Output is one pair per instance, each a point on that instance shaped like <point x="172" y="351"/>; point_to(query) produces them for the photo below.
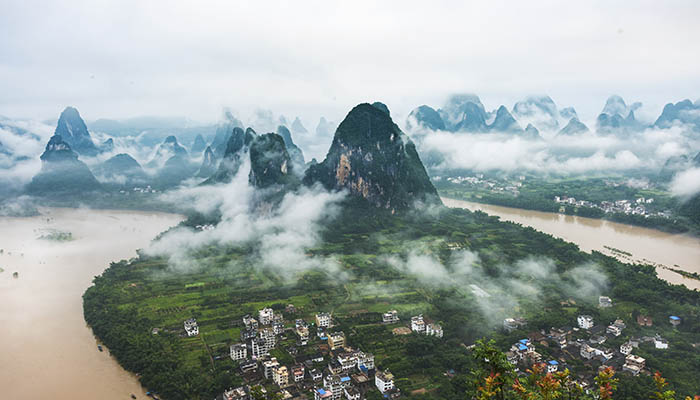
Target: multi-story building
<point x="280" y="376"/>
<point x="269" y="366"/>
<point x="433" y="330"/>
<point x="322" y="394"/>
<point x="191" y="327"/>
<point x="616" y="327"/>
<point x="626" y="348"/>
<point x="239" y="393"/>
<point x="585" y="321"/>
<point x="365" y="361"/>
<point x="552" y="366"/>
<point x="333" y="384"/>
<point x="351" y="393"/>
<point x="417" y="324"/>
<point x="248" y="366"/>
<point x="266" y="315"/>
<point x="323" y="320"/>
<point x="390" y="317"/>
<point x="239" y="351"/>
<point x="302" y="330"/>
<point x="250" y="322"/>
<point x="384" y="381"/>
<point x="348" y="360"/>
<point x="634" y="364"/>
<point x="604" y="302"/>
<point x="298" y="373"/>
<point x="336" y="340"/>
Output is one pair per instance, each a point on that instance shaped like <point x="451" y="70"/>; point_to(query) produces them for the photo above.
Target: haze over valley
<point x="366" y="201"/>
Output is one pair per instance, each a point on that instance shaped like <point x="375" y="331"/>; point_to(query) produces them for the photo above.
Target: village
<point x="588" y="344"/>
<point x="633" y="207"/>
<point x="324" y="366"/>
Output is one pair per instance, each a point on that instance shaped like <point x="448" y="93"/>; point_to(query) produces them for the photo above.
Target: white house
<point x="552" y="366"/>
<point x="585" y="321"/>
<point x="626" y="348"/>
<point x="604" y="302"/>
<point x="417" y="324"/>
<point x="323" y="320"/>
<point x="239" y="351"/>
<point x="266" y="315"/>
<point x="269" y="366"/>
<point x="660" y="343"/>
<point x="191" y="327"/>
<point x="280" y="376"/>
<point x="384" y="381"/>
<point x="434" y="330"/>
<point x="390" y="317"/>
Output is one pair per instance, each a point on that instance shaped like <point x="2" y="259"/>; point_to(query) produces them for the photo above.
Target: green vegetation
<point x="132" y="297"/>
<point x="57" y="236"/>
<point x="539" y="193"/>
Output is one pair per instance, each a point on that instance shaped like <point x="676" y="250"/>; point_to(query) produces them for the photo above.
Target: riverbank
<point x="665" y="251"/>
<point x="47" y="349"/>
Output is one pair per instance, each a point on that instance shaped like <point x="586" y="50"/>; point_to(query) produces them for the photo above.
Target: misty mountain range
<point x="130" y="156"/>
<point x="466" y="113"/>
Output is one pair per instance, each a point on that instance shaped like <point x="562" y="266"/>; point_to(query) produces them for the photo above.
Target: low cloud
<point x="500" y="296"/>
<point x="687" y="183"/>
<point x="556" y="155"/>
<point x="281" y="237"/>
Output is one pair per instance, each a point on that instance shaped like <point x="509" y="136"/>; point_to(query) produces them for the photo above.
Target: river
<point x="46" y="348"/>
<point x="645" y="245"/>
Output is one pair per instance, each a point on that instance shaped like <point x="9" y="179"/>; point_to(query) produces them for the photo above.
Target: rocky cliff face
<point x="270" y="163"/>
<point x="73" y="130"/>
<point x="209" y="164"/>
<point x="295" y="153"/>
<point x="236" y="149"/>
<point x="61" y="171"/>
<point x="372" y="159"/>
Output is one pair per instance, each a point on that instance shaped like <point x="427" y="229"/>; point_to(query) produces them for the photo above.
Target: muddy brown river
<point x="46" y="348"/>
<point x="648" y="246"/>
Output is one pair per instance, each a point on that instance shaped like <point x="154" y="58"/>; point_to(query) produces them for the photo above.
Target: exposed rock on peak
<point x="73" y="130"/>
<point x="372" y="159"/>
<point x="209" y="163"/>
<point x="294" y="151"/>
<point x="270" y="163"/>
<point x="236" y="148"/>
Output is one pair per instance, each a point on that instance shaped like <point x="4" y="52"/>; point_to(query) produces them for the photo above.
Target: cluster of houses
<point x="585" y="342"/>
<point x="490" y="184"/>
<point x="634" y="207"/>
<point x="138" y="189"/>
<point x="418" y="325"/>
<point x="332" y="371"/>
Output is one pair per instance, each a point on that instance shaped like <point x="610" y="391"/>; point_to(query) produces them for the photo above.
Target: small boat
<point x="99" y="347"/>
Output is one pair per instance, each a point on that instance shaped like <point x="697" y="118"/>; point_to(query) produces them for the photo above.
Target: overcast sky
<point x="174" y="58"/>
